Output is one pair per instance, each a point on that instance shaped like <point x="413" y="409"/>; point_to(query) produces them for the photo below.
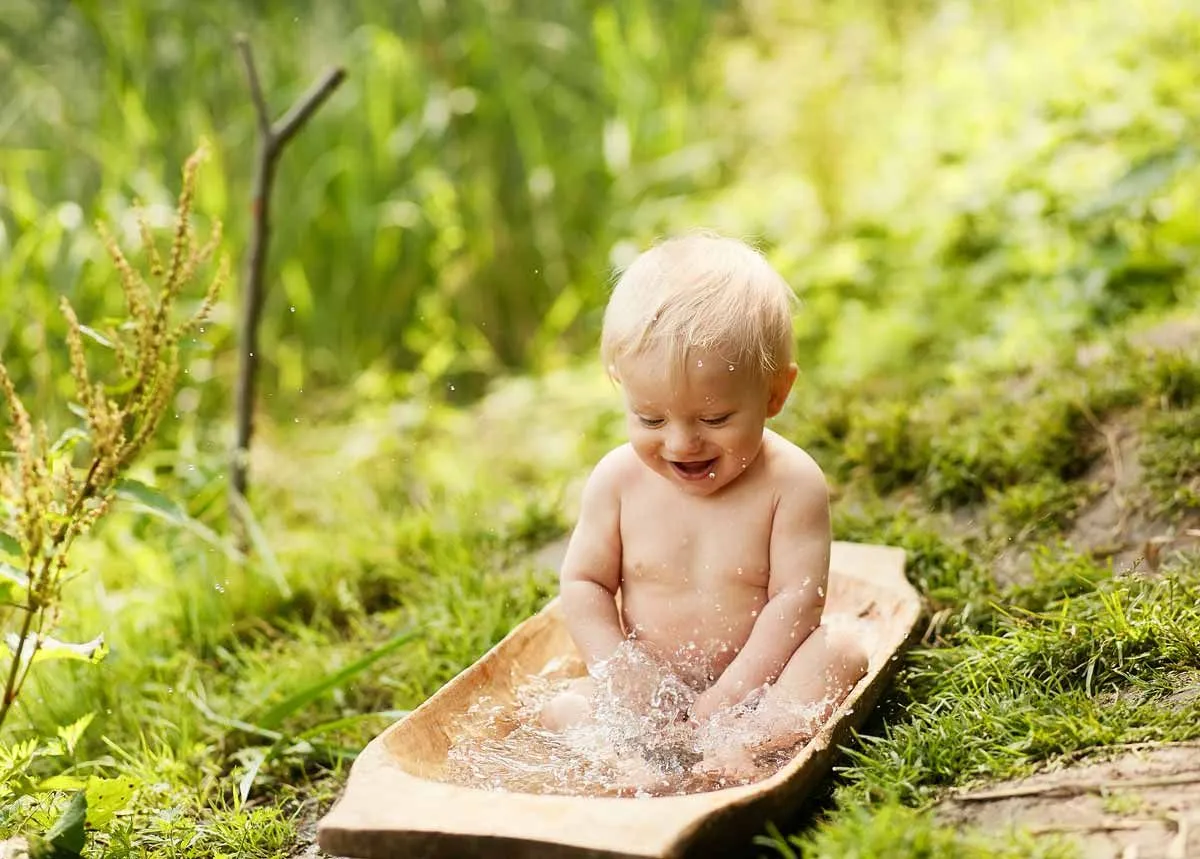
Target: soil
<point x="1142" y="803"/>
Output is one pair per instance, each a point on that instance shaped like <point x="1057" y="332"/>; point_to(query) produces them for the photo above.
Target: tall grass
<point x="452" y="209"/>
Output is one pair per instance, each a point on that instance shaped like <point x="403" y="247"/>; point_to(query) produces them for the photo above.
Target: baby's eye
<point x="650" y="423"/>
<point x="716" y="422"/>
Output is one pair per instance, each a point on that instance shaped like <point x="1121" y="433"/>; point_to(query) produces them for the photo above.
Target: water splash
<point x="641" y="740"/>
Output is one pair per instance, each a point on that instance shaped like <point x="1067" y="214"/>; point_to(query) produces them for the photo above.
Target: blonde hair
<point x="701" y="291"/>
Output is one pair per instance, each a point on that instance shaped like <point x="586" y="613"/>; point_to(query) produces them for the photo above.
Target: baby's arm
<point x="799" y="559"/>
<point x="591" y="571"/>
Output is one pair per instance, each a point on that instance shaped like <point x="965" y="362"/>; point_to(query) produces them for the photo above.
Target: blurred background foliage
<point x="451" y="211"/>
<point x="940" y="181"/>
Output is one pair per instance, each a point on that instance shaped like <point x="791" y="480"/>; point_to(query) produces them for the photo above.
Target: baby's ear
<point x="781" y="386"/>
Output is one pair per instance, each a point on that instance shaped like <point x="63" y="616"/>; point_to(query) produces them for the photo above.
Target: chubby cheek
<point x="739" y="444"/>
<point x="644" y="442"/>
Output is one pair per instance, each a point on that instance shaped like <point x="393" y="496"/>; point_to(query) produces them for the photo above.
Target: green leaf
<point x="71" y="733"/>
<point x="1143" y="180"/>
<point x="66" y="838"/>
<point x="106" y="797"/>
<point x="93" y="334"/>
<point x="122" y="387"/>
<point x="274" y="717"/>
<point x="10" y="546"/>
<point x="62" y="782"/>
<point x="52" y="649"/>
<point x="13" y="583"/>
<point x="68" y="440"/>
<point x="148" y="500"/>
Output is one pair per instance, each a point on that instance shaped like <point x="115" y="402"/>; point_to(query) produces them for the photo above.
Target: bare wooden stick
<point x="1098" y="826"/>
<point x="272" y="138"/>
<point x="1076" y="788"/>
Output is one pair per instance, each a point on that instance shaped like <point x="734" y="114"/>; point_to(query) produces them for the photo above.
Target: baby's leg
<point x="572" y="706"/>
<point x="814" y="682"/>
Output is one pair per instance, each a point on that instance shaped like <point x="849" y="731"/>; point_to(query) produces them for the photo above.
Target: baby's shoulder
<point x="614" y="470"/>
<point x="791" y="469"/>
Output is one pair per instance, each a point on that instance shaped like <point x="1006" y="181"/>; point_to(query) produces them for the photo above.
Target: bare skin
<point x="715" y="533"/>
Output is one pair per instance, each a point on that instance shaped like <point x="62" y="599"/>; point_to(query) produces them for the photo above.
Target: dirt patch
<point x="1143" y="803"/>
<point x="1117" y="523"/>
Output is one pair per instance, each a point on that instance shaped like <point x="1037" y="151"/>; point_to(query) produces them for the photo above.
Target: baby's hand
<point x="633" y="675"/>
<point x="706" y="704"/>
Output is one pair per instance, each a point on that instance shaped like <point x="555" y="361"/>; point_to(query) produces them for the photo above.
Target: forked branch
<point x="273" y="136"/>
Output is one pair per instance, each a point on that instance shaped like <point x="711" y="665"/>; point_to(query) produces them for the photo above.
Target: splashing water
<point x="640" y="741"/>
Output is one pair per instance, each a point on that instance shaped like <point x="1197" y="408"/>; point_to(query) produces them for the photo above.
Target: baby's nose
<point x="682" y="440"/>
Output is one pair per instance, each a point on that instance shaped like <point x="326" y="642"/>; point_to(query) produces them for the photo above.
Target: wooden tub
<point x="393" y="806"/>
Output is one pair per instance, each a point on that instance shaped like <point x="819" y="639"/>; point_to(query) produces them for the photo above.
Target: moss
<point x="1171" y="459"/>
<point x="1037" y="509"/>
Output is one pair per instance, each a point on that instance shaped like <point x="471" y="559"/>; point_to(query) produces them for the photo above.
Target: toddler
<point x="704" y="540"/>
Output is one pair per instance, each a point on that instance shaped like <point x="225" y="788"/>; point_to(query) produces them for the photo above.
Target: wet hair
<point x="700" y="291"/>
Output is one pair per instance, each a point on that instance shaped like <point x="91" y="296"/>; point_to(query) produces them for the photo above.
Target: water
<point x="640" y="742"/>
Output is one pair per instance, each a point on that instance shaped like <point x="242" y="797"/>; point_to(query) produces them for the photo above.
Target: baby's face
<point x="703" y="428"/>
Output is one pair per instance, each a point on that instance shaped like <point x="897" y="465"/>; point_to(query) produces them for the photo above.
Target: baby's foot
<point x="565" y="710"/>
<point x="731" y="762"/>
<point x="634" y="776"/>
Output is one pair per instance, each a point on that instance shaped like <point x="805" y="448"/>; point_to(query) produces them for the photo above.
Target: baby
<point x="705" y="539"/>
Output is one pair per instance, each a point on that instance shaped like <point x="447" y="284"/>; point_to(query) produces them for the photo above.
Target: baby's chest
<point x="692" y="544"/>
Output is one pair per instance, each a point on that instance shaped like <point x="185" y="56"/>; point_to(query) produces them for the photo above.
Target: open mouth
<point x="696" y="470"/>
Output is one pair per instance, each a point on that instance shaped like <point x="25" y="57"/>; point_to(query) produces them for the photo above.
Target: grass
<point x="897" y="832"/>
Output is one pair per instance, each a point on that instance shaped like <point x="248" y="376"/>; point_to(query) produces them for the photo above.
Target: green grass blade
<point x="274" y="717"/>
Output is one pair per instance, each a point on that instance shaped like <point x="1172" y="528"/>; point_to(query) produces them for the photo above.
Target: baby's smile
<point x="697" y="469"/>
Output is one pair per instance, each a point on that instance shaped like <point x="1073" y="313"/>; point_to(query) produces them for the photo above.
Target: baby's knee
<point x="846" y="652"/>
<point x="572" y="706"/>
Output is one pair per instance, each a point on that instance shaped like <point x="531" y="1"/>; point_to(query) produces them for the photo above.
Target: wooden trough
<point x="394" y="806"/>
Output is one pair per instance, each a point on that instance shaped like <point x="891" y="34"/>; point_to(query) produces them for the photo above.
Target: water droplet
<point x="740" y="571"/>
<point x="730" y="368"/>
<point x="754" y="613"/>
<point x="452" y="387"/>
<point x="820" y="591"/>
<point x="712" y="475"/>
<point x="293" y="308"/>
<point x="699" y="363"/>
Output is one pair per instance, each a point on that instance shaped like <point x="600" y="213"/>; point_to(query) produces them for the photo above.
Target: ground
<point x="1143" y="803"/>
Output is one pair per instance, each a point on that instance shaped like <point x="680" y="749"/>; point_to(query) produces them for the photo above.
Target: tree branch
<point x="272" y="139"/>
<point x="256" y="93"/>
<point x="299" y="113"/>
